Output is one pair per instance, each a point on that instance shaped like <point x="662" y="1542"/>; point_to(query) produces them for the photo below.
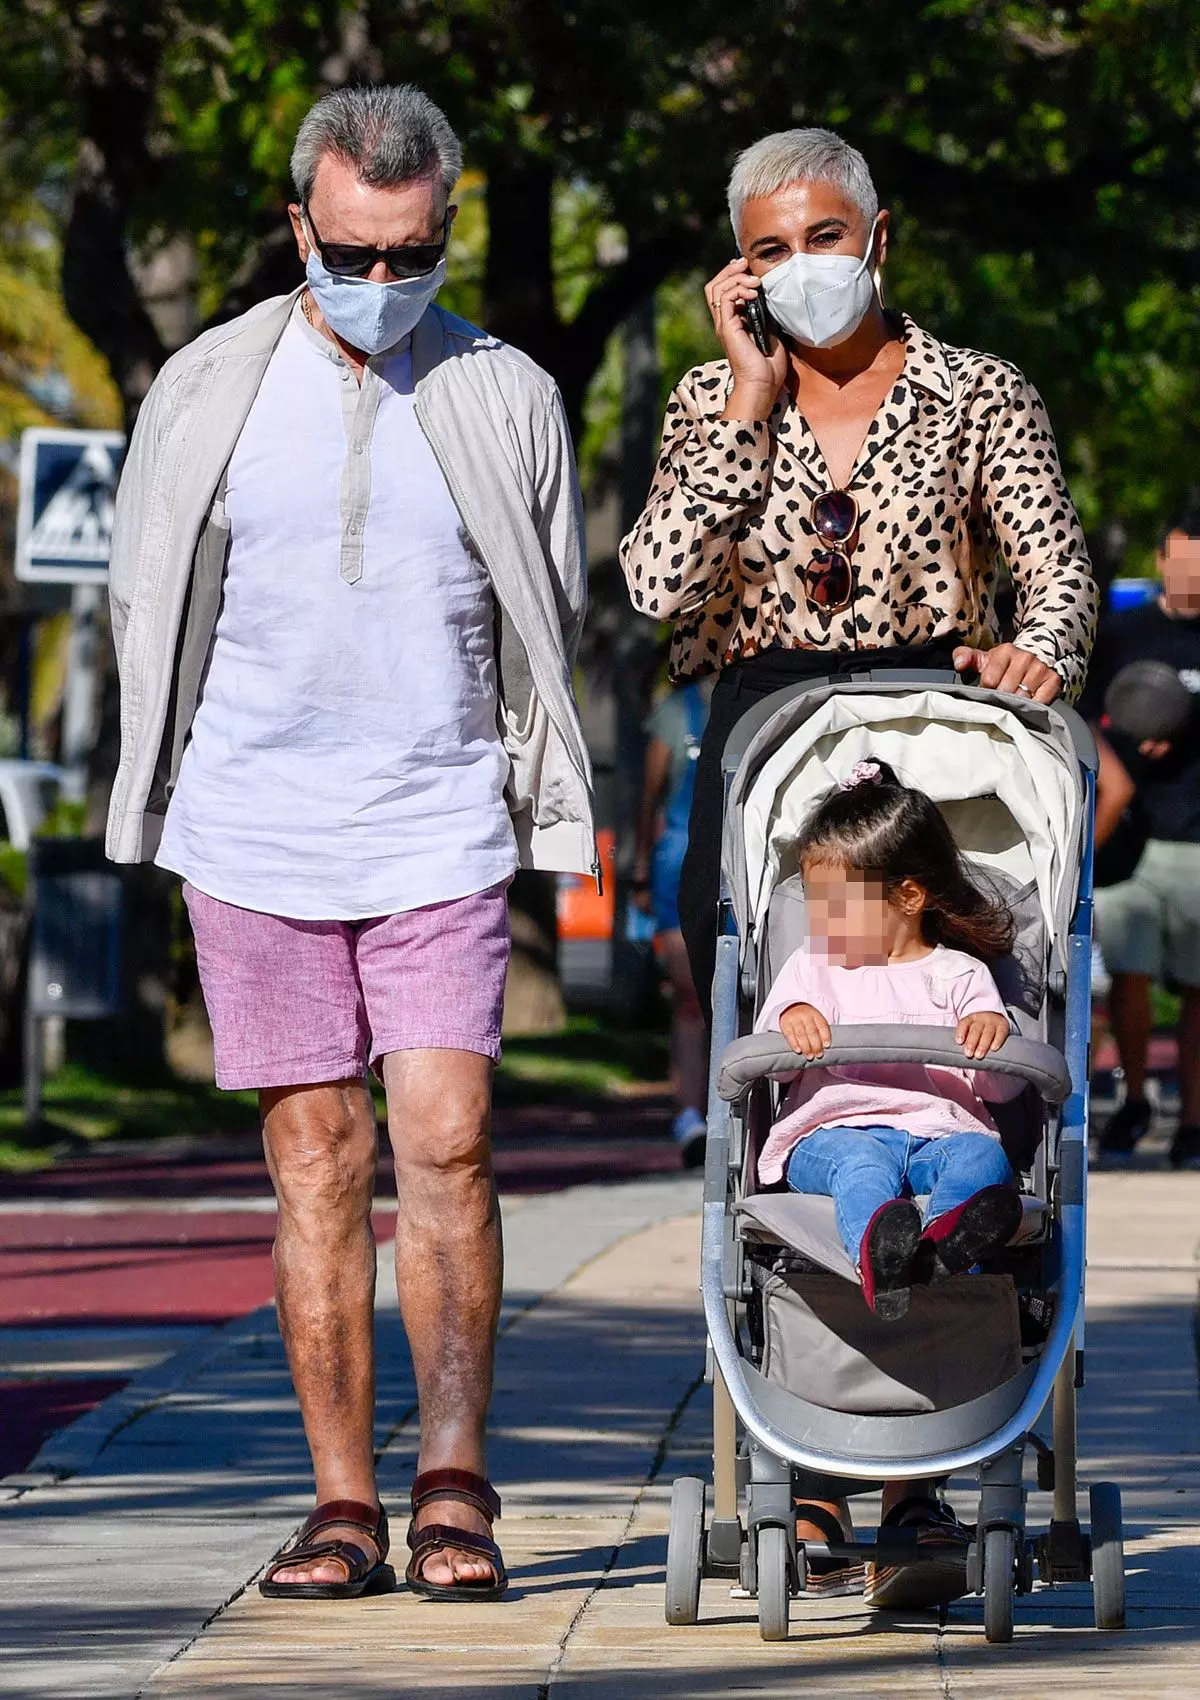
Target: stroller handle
<point x="761" y="1056"/>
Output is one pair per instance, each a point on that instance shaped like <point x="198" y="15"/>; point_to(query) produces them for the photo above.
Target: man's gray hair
<point x="390" y="134"/>
<point x="792" y="156"/>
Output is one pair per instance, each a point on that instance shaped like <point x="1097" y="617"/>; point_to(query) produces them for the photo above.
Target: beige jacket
<point x="496" y="425"/>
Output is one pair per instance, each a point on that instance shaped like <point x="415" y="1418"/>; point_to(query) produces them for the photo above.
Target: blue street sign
<point x="65" y="512"/>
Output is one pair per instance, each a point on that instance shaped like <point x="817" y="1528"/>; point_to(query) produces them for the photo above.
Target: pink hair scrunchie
<point x="862" y="773"/>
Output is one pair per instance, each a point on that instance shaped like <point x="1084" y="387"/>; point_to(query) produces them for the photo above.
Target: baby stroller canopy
<point x="1005" y="771"/>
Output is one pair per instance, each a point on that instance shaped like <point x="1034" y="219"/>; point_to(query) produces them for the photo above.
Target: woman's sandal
<point x="363" y="1575"/>
<point x="926" y="1582"/>
<point x="468" y="1489"/>
<point x="828" y="1576"/>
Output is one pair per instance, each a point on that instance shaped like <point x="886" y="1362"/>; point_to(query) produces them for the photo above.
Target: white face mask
<point x="820" y="299"/>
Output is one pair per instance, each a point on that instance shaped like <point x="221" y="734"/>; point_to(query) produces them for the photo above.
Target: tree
<point x="1041" y="161"/>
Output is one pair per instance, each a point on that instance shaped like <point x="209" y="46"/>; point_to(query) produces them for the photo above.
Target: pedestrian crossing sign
<point x="65" y="512"/>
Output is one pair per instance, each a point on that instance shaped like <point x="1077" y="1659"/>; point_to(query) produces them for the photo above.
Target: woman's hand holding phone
<point x="757" y="377"/>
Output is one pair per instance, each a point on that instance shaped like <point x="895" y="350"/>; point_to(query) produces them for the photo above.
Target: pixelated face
<point x="1179" y="565"/>
<point x="850" y="920"/>
<point x="853" y="920"/>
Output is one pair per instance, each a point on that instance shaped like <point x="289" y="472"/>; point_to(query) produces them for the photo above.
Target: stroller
<point x="805" y="1382"/>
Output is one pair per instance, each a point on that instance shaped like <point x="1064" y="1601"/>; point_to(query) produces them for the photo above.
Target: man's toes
<point x="470" y="1568"/>
<point x="327" y="1571"/>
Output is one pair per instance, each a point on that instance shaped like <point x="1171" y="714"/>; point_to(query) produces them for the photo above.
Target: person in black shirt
<point x="1149" y="924"/>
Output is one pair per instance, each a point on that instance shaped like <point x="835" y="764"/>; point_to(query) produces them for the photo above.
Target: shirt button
<point x="358" y="448"/>
<point x="354" y="531"/>
<point x="345" y="377"/>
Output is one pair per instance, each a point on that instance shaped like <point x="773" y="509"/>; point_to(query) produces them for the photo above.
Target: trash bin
<point x="75" y="930"/>
<point x="75" y="905"/>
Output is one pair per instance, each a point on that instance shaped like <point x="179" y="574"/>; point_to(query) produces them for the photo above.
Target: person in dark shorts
<point x="1148" y="924"/>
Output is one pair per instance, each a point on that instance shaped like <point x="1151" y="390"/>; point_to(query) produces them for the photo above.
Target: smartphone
<point x="759" y="323"/>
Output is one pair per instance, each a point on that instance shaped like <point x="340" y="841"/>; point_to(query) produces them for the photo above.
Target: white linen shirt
<point x="345" y="759"/>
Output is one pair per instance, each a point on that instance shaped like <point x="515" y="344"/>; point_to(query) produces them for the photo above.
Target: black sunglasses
<point x="347" y="259"/>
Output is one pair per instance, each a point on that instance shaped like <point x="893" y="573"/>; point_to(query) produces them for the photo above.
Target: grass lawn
<point x="593" y="1059"/>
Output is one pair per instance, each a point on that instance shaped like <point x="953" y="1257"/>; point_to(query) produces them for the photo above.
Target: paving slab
<point x="203" y="1456"/>
<point x="599" y="1405"/>
<point x="588" y="1383"/>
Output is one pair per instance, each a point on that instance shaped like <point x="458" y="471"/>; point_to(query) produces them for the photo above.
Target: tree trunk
<point x="518" y="279"/>
<point x="636" y="638"/>
<point x="118" y="55"/>
<point x="533" y="1000"/>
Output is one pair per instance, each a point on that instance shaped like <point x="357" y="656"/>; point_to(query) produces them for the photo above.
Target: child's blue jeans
<point x="860" y="1168"/>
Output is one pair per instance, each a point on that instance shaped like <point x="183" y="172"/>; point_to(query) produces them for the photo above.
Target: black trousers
<point x="740" y="688"/>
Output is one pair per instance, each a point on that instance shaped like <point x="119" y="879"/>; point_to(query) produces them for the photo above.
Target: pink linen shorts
<point x="296" y="1003"/>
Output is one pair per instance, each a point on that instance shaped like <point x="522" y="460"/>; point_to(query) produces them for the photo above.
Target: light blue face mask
<point x="371" y="316"/>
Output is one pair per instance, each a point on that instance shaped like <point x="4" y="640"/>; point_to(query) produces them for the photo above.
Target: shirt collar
<point x="323" y="346"/>
<point x="925" y="363"/>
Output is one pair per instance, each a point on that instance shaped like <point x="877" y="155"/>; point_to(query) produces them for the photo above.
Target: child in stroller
<point x="898" y="932"/>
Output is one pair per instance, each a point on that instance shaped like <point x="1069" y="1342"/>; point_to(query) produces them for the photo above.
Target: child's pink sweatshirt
<point x="936" y="990"/>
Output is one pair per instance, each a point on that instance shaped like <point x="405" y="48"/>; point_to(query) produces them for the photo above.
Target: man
<point x="1149" y="925"/>
<point x="347" y="583"/>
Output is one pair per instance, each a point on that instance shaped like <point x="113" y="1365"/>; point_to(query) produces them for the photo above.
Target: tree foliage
<point x="1041" y="162"/>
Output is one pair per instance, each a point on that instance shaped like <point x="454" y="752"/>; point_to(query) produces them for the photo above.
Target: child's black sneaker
<point x="978" y="1228"/>
<point x="885" y="1257"/>
<point x="1123" y="1130"/>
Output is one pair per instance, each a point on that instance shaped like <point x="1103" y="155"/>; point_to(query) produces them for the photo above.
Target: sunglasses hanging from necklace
<point x="829" y="575"/>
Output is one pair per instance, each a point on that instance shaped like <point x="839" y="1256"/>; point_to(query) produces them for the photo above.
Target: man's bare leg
<point x="449" y="1269"/>
<point x="321" y="1143"/>
<point x="1129" y="1016"/>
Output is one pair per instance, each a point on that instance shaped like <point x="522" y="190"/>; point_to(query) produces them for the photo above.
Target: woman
<point x="674" y="733"/>
<point x="845" y="501"/>
<point x="841" y="503"/>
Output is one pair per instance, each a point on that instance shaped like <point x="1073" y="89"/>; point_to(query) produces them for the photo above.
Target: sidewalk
<point x="129" y="1576"/>
<point x="116" y="1258"/>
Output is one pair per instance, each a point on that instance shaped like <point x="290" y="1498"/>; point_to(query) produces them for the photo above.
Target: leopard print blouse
<point x="958" y="474"/>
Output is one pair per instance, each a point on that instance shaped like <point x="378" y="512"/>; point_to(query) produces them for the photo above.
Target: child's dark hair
<point x="876" y="825"/>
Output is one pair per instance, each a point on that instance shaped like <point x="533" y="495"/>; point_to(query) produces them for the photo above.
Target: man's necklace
<point x="306" y="309"/>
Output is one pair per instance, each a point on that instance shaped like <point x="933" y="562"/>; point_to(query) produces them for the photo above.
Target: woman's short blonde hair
<point x="792" y="156"/>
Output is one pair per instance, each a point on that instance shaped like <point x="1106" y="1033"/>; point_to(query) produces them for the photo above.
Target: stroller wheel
<point x="999" y="1551"/>
<point x="774" y="1583"/>
<point x="685" y="1546"/>
<point x="1108" y="1556"/>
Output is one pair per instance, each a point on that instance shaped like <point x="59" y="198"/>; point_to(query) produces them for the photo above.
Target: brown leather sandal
<point x="363" y="1576"/>
<point x="468" y="1489"/>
